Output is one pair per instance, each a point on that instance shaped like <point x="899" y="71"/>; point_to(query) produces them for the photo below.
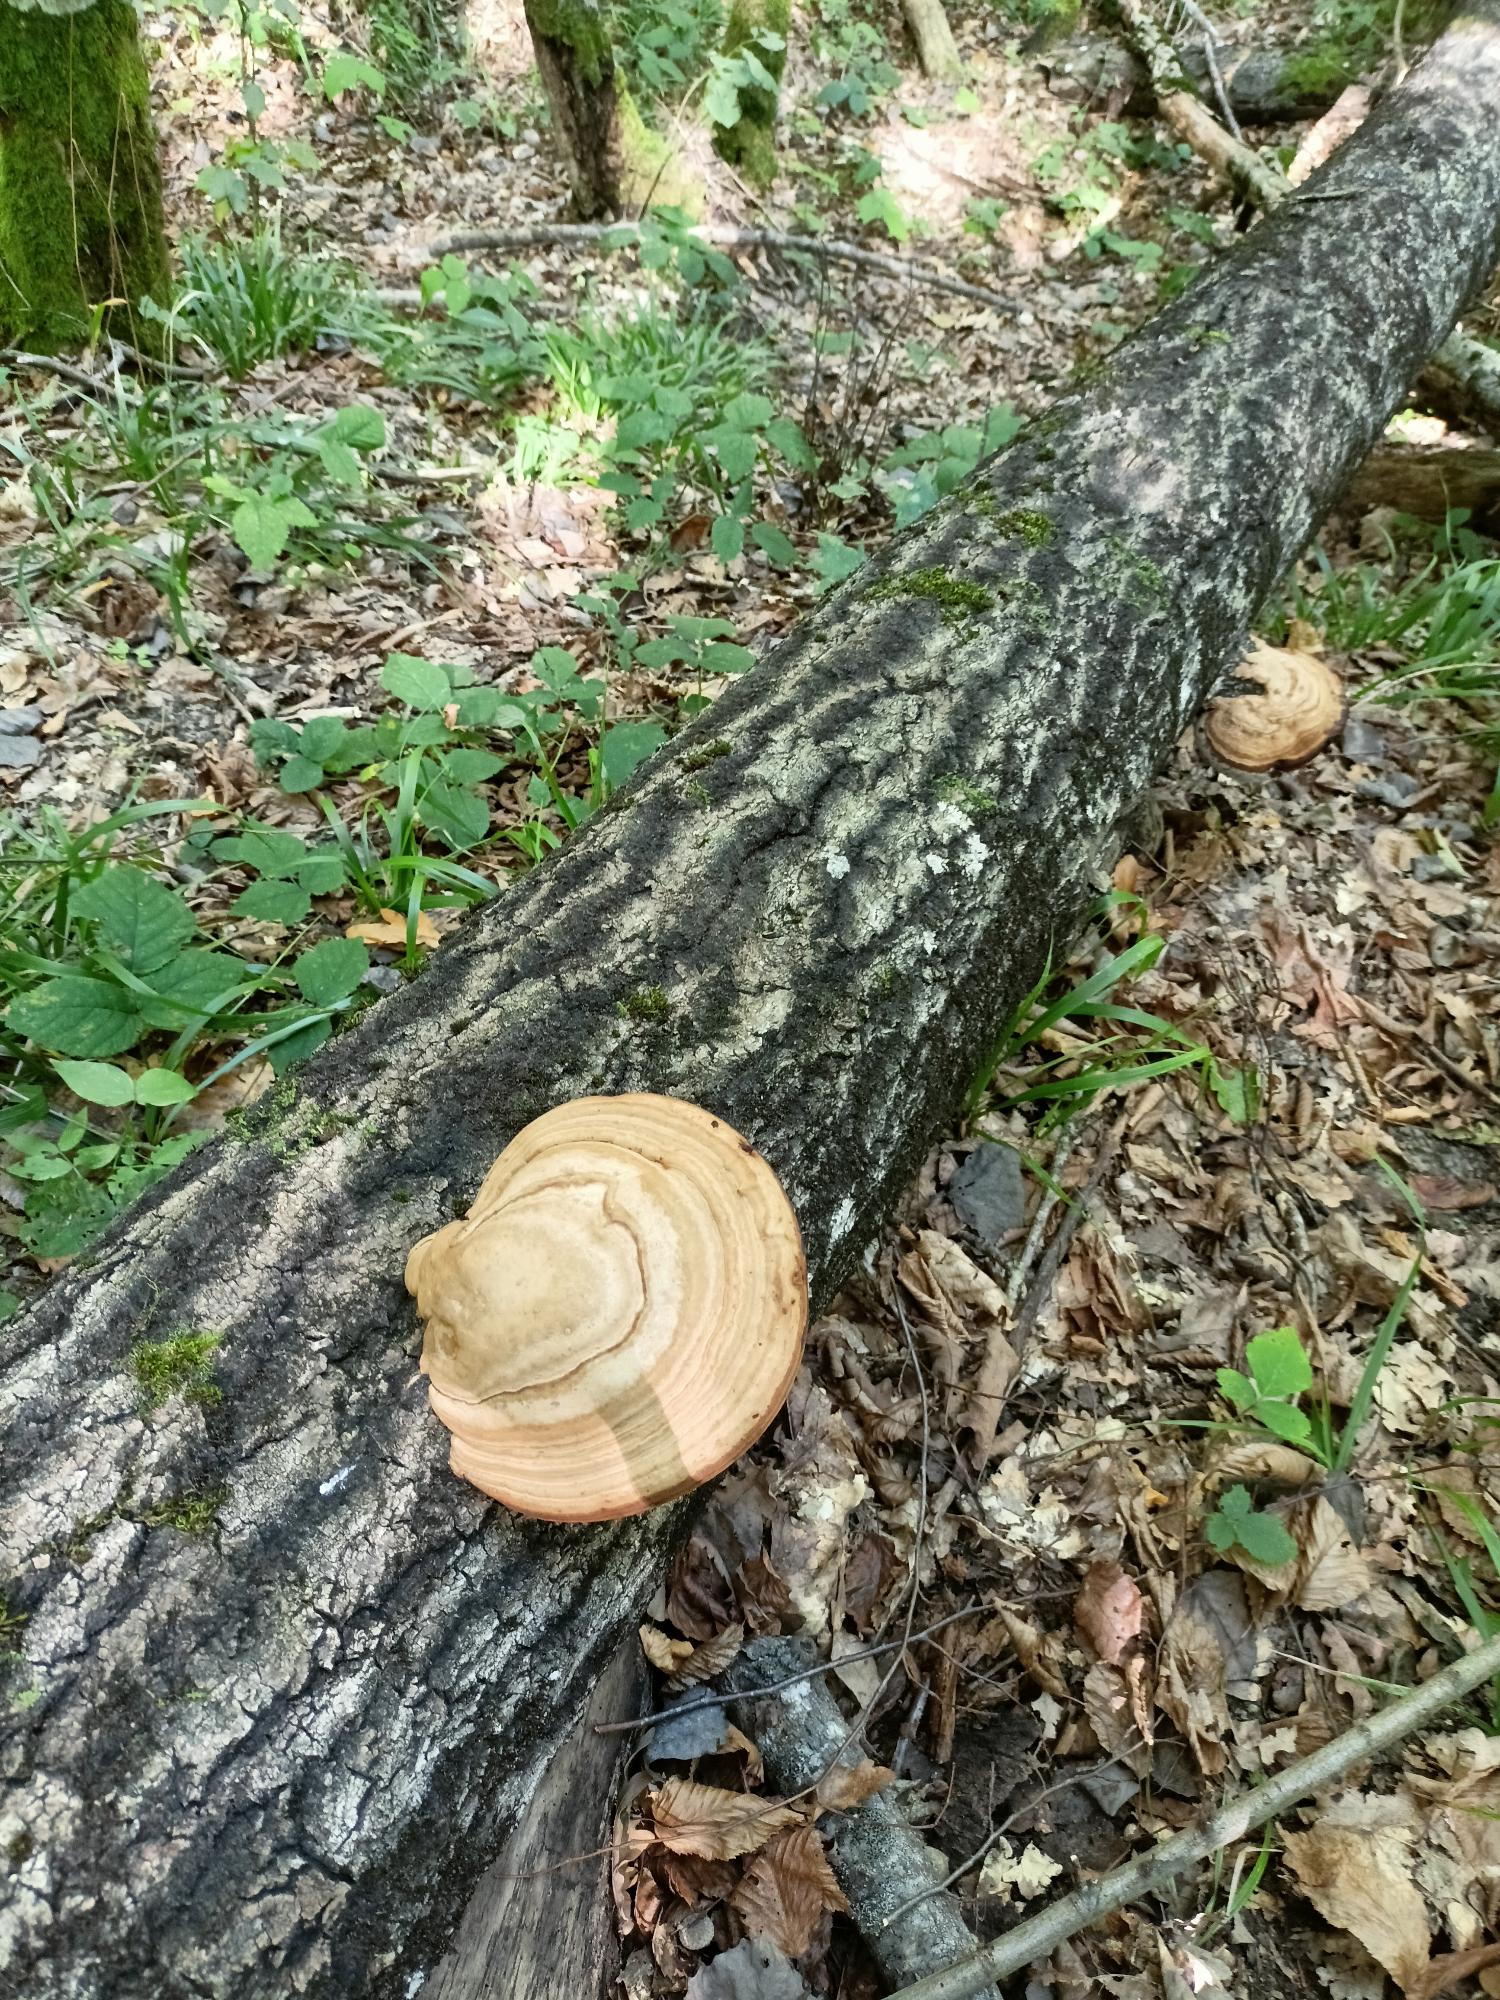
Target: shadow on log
<point x="267" y="1758"/>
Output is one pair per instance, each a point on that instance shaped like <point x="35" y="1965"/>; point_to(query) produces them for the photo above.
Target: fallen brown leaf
<point x="1359" y="1877"/>
<point x="786" y="1889"/>
<point x="666" y="1655"/>
<point x="704" y="1819"/>
<point x="389" y="928"/>
<point x="1331" y="1572"/>
<point x="711" y="1658"/>
<point x="1109" y="1611"/>
<point x="847" y="1785"/>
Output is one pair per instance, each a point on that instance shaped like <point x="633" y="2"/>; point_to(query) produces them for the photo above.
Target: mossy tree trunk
<point x="269" y="1757"/>
<point x="937" y="51"/>
<point x="758" y="28"/>
<point x="80" y="187"/>
<point x="587" y="98"/>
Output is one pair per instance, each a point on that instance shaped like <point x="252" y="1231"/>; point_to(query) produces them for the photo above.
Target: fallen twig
<point x="724" y="237"/>
<point x="1040" y="1935"/>
<point x="1062" y="1236"/>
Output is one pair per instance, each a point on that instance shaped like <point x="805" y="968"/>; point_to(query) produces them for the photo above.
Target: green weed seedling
<point x="1237" y="1523"/>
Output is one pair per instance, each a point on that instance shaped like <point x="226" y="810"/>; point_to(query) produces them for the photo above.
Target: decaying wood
<point x="538" y="1924"/>
<point x="269" y="1757"/>
<point x="1032" y="1941"/>
<point x="1265" y="85"/>
<point x="881" y="1862"/>
<point x="1429" y="481"/>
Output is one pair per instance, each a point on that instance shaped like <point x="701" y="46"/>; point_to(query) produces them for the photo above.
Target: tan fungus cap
<point x="621" y="1313"/>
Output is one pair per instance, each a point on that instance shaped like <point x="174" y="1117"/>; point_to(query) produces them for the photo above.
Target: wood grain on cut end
<point x="620" y="1314"/>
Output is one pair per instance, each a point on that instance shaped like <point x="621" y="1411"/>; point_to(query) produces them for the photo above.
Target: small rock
<point x="384" y="978"/>
<point x="531" y="136"/>
<point x="19" y="753"/>
<point x="19" y="721"/>
<point x="1362" y="742"/>
<point x="988" y="1194"/>
<point x="523" y="152"/>
<point x="696" y="1933"/>
<point x="124" y="511"/>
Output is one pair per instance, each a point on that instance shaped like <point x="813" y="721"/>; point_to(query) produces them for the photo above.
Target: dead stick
<point x="1040" y="1935"/>
<point x="725" y="237"/>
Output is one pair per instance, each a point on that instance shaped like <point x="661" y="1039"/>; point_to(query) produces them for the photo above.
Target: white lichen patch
<point x="837" y="866"/>
<point x="843" y="1220"/>
<point x="938" y="863"/>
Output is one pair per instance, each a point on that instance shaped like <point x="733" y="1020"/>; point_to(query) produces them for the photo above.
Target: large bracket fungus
<point x="619" y="1315"/>
<point x="1300" y="708"/>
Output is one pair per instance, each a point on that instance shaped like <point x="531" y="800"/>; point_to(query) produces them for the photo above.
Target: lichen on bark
<point x="750" y="143"/>
<point x="80" y="187"/>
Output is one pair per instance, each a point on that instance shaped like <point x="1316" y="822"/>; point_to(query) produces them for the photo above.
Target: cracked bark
<point x="270" y="1759"/>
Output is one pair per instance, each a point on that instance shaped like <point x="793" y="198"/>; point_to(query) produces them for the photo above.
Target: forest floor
<point x="362" y="609"/>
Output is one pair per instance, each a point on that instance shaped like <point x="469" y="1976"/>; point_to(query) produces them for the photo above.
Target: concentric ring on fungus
<point x="620" y="1314"/>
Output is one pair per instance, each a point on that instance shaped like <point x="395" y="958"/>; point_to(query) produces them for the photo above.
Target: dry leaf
<point x="1040" y="1653"/>
<point x="1190" y="1678"/>
<point x="389" y="928"/>
<point x="1331" y="1572"/>
<point x="704" y="1819"/>
<point x="846" y="1785"/>
<point x="786" y="1889"/>
<point x="1109" y="1611"/>
<point x="711" y="1658"/>
<point x="666" y="1655"/>
<point x="1359" y="1877"/>
<point x="753" y="1970"/>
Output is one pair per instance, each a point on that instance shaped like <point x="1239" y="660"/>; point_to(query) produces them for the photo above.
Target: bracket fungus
<point x="620" y="1314"/>
<point x="1299" y="709"/>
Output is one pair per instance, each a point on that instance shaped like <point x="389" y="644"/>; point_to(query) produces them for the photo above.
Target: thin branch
<point x="1052" y="1193"/>
<point x="536" y="234"/>
<point x="1040" y="1935"/>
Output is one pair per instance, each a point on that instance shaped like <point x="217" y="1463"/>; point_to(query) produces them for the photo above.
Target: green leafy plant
<point x="1237" y="1523"/>
<point x="248" y="299"/>
<point x="1280" y="1372"/>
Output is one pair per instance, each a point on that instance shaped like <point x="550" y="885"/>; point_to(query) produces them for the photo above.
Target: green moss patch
<point x="958" y="599"/>
<point x="177" y="1366"/>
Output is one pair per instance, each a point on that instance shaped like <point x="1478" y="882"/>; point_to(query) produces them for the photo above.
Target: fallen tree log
<point x="270" y="1757"/>
<point x="1265" y="86"/>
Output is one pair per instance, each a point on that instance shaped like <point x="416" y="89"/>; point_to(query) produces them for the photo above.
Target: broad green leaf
<point x="1279" y="1362"/>
<point x="775" y="542"/>
<point x="737" y="450"/>
<point x="454" y="814"/>
<point x="1283" y="1420"/>
<point x="721" y="100"/>
<point x="727" y="537"/>
<point x="836" y="558"/>
<point x="253" y="98"/>
<point x="97" y="1083"/>
<point x="331" y="970"/>
<point x="356" y="425"/>
<point x="340" y="463"/>
<point x="471" y="767"/>
<point x="789" y="440"/>
<point x="74" y="1016"/>
<point x="323" y="736"/>
<point x="273" y="903"/>
<point x="417" y="683"/>
<point x="163" y="1086"/>
<point x="267" y="849"/>
<point x="661" y="652"/>
<point x="262" y="527"/>
<point x="722" y="657"/>
<point x="749" y="412"/>
<point x="145" y="922"/>
<point x="1237" y="1090"/>
<point x="223" y="184"/>
<point x="1236" y="1388"/>
<point x="301" y="774"/>
<point x="1263" y="1537"/>
<point x="344" y="72"/>
<point x="283" y="1054"/>
<point x="322" y="874"/>
<point x="629" y="744"/>
<point x="193" y="986"/>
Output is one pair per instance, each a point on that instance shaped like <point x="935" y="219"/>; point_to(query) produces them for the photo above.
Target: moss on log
<point x="268" y="1758"/>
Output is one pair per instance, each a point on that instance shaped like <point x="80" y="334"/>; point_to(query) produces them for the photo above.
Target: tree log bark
<point x="937" y="51"/>
<point x="1265" y="86"/>
<point x="266" y="1758"/>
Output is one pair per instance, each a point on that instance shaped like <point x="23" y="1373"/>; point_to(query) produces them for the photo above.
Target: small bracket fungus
<point x="1299" y="709"/>
<point x="621" y="1313"/>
